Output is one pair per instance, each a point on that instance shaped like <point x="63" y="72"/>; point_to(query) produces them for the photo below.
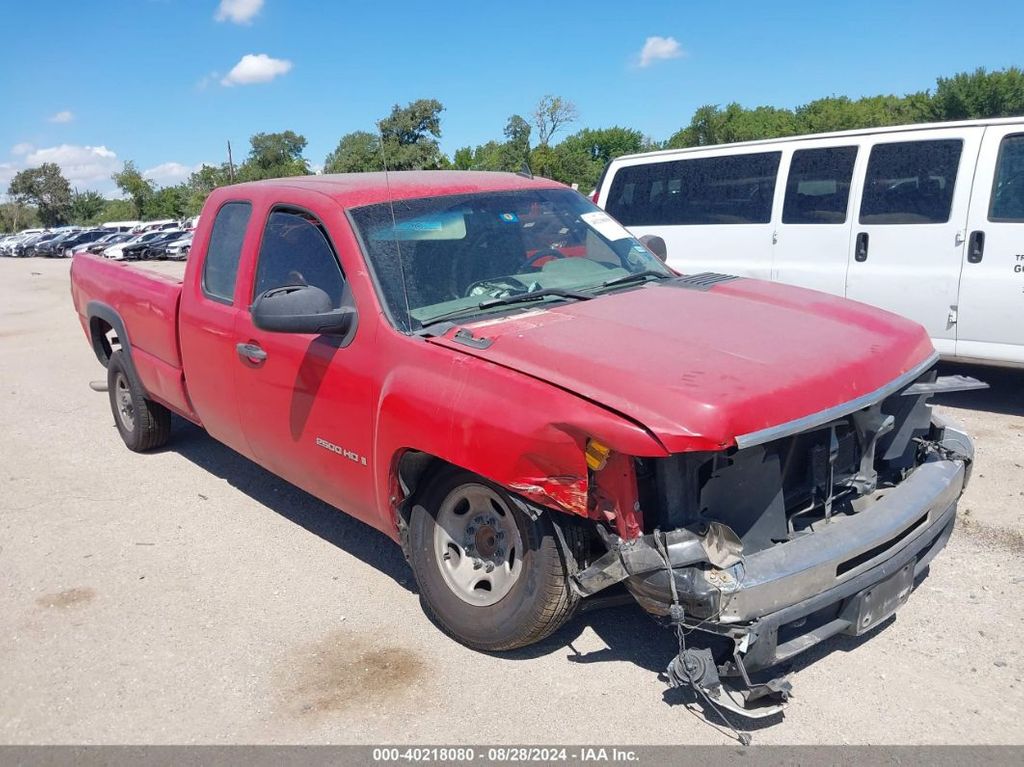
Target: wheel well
<point x="414" y="467"/>
<point x="104" y="339"/>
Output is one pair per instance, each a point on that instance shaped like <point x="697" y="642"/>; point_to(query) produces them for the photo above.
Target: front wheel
<point x="142" y="423"/>
<point x="489" y="576"/>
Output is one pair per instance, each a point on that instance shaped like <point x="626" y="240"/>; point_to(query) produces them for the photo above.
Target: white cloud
<point x="64" y="116"/>
<point x="659" y="49"/>
<point x="21" y="149"/>
<point x="238" y="11"/>
<point x="256" y="68"/>
<point x="83" y="166"/>
<point x="170" y="173"/>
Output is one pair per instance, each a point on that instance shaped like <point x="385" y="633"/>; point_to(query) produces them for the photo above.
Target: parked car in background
<point x="53" y="247"/>
<point x="143" y="250"/>
<point x="105" y="242"/>
<point x="81" y="239"/>
<point x="38" y="246"/>
<point x="116" y="252"/>
<point x="174" y="248"/>
<point x="924" y="220"/>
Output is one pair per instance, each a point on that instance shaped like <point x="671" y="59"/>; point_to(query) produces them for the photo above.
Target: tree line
<point x="409" y="139"/>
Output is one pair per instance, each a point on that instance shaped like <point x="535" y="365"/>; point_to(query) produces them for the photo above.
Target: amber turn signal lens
<point x="597" y="455"/>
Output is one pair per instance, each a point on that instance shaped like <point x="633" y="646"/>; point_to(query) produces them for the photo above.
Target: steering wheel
<point x="530" y="262"/>
<point x="496" y="287"/>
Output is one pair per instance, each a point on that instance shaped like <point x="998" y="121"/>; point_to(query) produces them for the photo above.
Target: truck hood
<point x="700" y="368"/>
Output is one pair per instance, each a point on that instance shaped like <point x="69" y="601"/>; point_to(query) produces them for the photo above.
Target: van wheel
<point x="143" y="424"/>
<point x="489" y="576"/>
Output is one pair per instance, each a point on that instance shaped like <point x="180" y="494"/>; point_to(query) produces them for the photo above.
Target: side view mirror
<point x="300" y="309"/>
<point x="656" y="245"/>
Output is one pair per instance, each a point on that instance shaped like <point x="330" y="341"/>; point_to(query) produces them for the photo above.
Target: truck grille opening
<point x="854" y="562"/>
<point x="773" y="493"/>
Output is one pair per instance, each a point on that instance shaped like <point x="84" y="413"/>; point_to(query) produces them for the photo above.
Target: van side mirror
<point x="300" y="309"/>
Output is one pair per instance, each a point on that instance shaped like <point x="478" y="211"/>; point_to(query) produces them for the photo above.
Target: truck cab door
<point x="207" y="316"/>
<point x="908" y="237"/>
<point x="305" y="400"/>
<point x="991" y="307"/>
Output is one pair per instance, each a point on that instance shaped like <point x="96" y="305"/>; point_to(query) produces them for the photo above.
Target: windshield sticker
<point x="605" y="225"/>
<point x="450" y="225"/>
<point x="509" y="218"/>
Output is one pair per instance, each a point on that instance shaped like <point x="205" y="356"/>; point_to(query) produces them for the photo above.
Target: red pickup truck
<point x="495" y="373"/>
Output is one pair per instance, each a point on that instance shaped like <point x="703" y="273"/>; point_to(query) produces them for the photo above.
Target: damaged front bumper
<point x="844" y="577"/>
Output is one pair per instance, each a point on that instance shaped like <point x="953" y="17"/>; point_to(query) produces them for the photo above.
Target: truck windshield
<point x="445" y="256"/>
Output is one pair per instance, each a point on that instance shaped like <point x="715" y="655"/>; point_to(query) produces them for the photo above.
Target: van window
<point x="221" y="265"/>
<point x="733" y="189"/>
<point x="818" y="188"/>
<point x="295" y="251"/>
<point x="1008" y="189"/>
<point x="910" y="182"/>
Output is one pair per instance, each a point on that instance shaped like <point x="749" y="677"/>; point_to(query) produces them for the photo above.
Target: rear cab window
<point x="220" y="267"/>
<point x="729" y="189"/>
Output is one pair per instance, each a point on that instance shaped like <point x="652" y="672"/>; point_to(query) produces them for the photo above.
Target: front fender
<point x="519" y="432"/>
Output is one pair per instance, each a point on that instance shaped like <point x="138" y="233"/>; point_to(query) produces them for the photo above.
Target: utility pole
<point x="231" y="164"/>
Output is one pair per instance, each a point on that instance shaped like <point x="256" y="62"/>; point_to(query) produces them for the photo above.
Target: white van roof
<point x="835" y="134"/>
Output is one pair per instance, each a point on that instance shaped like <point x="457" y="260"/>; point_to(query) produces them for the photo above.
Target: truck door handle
<point x="860" y="252"/>
<point x="976" y="246"/>
<point x="251" y="352"/>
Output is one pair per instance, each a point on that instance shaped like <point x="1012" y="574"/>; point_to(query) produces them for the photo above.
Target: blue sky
<point x="91" y="84"/>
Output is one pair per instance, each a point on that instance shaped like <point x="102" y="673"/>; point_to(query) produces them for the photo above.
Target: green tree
<point x="551" y="114"/>
<point x="979" y="94"/>
<point x="410" y="136"/>
<point x="580" y="158"/>
<point x="516" y="149"/>
<point x="15" y="216"/>
<point x="46" y="188"/>
<point x="274" y="155"/>
<point x="86" y="207"/>
<point x="118" y="210"/>
<point x="137" y="189"/>
<point x="168" y="202"/>
<point x="356" y="152"/>
<point x="201" y="183"/>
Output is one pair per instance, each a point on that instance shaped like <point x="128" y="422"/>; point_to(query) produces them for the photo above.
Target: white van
<point x="923" y="220"/>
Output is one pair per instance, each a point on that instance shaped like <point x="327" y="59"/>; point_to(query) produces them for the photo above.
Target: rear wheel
<point x="490" y="576"/>
<point x="142" y="423"/>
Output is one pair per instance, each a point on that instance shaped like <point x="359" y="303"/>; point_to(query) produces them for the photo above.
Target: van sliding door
<point x="990" y="325"/>
<point x="909" y="235"/>
<point x="812" y="240"/>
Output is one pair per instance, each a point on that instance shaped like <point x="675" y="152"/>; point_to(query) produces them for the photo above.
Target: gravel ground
<point x="189" y="596"/>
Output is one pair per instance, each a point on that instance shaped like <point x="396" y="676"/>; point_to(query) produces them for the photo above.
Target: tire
<point x="528" y="596"/>
<point x="142" y="423"/>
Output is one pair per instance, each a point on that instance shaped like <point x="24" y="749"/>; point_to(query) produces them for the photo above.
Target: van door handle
<point x="860" y="252"/>
<point x="251" y="352"/>
<point x="976" y="246"/>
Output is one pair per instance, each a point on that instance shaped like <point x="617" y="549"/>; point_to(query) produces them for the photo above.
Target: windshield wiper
<point x="521" y="298"/>
<point x="518" y="298"/>
<point x="636" y="277"/>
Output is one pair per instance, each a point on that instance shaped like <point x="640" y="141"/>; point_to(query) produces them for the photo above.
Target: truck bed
<point x="145" y="302"/>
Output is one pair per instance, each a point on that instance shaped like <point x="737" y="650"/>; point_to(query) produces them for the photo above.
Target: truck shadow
<point x="337" y="528"/>
<point x="1004" y="396"/>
